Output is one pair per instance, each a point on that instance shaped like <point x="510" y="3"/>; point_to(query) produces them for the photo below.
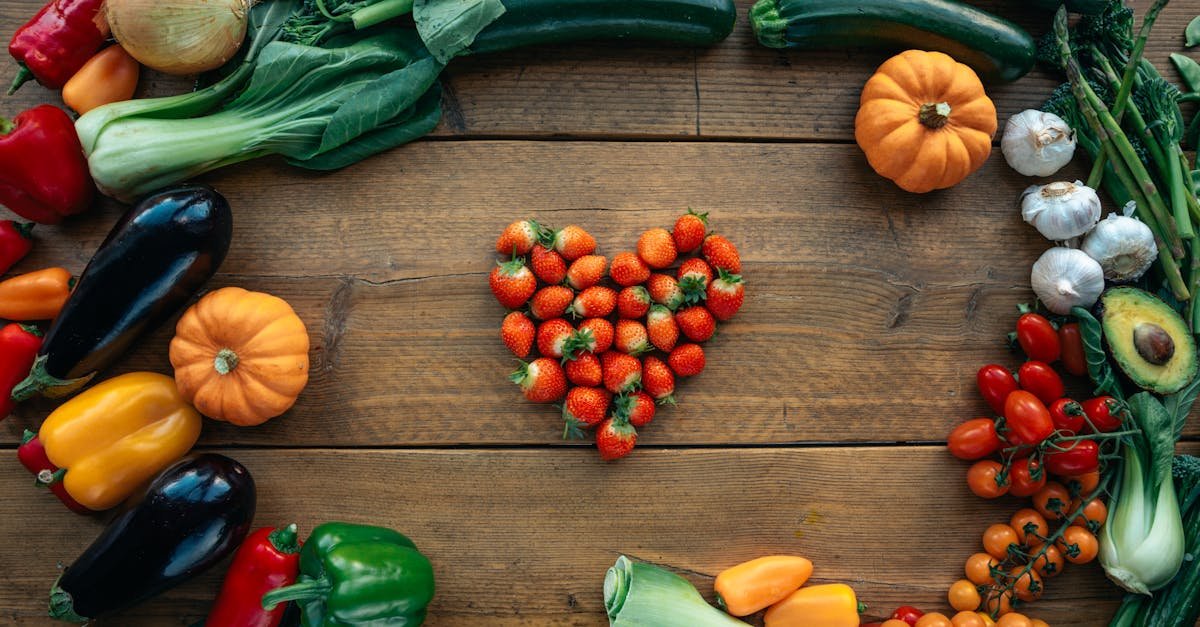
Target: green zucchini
<point x="995" y="48"/>
<point x="534" y="22"/>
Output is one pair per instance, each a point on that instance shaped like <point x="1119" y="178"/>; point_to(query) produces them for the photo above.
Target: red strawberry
<point x="694" y="276"/>
<point x="696" y="323"/>
<point x="542" y="380"/>
<point x="721" y="253"/>
<point x="551" y="302"/>
<point x="633" y="302"/>
<point x="663" y="330"/>
<point x="687" y="360"/>
<point x="621" y="372"/>
<point x="657" y="248"/>
<point x="586" y="271"/>
<point x="596" y="301"/>
<point x="725" y="295"/>
<point x="627" y="269"/>
<point x="637" y="408"/>
<point x="595" y="335"/>
<point x="665" y="290"/>
<point x="517" y="332"/>
<point x="512" y="283"/>
<point x="658" y="380"/>
<point x="572" y="242"/>
<point x="552" y="337"/>
<point x="615" y="438"/>
<point x="689" y="231"/>
<point x="631" y="338"/>
<point x="518" y="238"/>
<point x="547" y="265"/>
<point x="585" y="370"/>
<point x="584" y="408"/>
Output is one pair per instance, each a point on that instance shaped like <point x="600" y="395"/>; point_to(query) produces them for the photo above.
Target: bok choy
<point x="641" y="594"/>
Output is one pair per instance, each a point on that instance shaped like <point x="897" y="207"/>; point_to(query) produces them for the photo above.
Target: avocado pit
<point x="1153" y="343"/>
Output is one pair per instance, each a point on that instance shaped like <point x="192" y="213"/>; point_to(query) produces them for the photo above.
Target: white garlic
<point x="1064" y="278"/>
<point x="1124" y="247"/>
<point x="1037" y="143"/>
<point x="1061" y="210"/>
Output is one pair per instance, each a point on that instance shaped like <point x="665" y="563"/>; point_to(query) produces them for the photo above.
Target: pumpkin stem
<point x="225" y="361"/>
<point x="934" y="115"/>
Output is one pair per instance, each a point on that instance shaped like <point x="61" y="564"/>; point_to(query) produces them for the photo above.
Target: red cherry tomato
<point x="1082" y="456"/>
<point x="908" y="614"/>
<point x="1037" y="337"/>
<point x="1026" y="478"/>
<point x="995" y="383"/>
<point x="1074" y="360"/>
<point x="1105" y="413"/>
<point x="1028" y="418"/>
<point x="1039" y="378"/>
<point x="1067" y="415"/>
<point x="974" y="439"/>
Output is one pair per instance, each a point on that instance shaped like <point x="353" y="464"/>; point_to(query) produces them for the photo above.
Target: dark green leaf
<point x="450" y="26"/>
<point x="1191" y="34"/>
<point x="423" y="118"/>
<point x="1189" y="70"/>
<point x="1099" y="368"/>
<point x="1158" y="436"/>
<point x="1179" y="404"/>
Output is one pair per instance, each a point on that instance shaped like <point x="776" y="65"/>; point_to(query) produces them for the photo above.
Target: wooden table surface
<point x="817" y="428"/>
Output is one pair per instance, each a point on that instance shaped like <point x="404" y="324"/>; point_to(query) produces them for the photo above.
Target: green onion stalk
<point x="636" y="593"/>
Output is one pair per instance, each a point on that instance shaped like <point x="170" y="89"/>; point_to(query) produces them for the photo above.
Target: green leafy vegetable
<point x="1099" y="369"/>
<point x="1188" y="69"/>
<point x="450" y="26"/>
<point x="1191" y="34"/>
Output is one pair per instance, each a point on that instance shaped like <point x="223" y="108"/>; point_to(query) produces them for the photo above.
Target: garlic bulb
<point x="179" y="36"/>
<point x="1061" y="210"/>
<point x="1037" y="143"/>
<point x="1124" y="247"/>
<point x="1064" y="278"/>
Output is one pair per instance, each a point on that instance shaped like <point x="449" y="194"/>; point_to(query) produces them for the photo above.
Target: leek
<point x="638" y="594"/>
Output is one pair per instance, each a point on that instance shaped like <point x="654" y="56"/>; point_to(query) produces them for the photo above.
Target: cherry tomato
<point x="1067" y="415"/>
<point x="1036" y="622"/>
<point x="1014" y="620"/>
<point x="998" y="602"/>
<point x="1025" y="477"/>
<point x="891" y="622"/>
<point x="998" y="538"/>
<point x="1082" y="485"/>
<point x="1074" y="360"/>
<point x="1031" y="526"/>
<point x="963" y="596"/>
<point x="934" y="619"/>
<point x="1105" y="413"/>
<point x="1027" y="417"/>
<point x="1040" y="379"/>
<point x="1053" y="501"/>
<point x="1078" y="545"/>
<point x="1026" y="583"/>
<point x="987" y="620"/>
<point x="1081" y="457"/>
<point x="995" y="383"/>
<point x="1050" y="563"/>
<point x="967" y="619"/>
<point x="1037" y="337"/>
<point x="908" y="614"/>
<point x="983" y="477"/>
<point x="974" y="439"/>
<point x="979" y="569"/>
<point x="1093" y="516"/>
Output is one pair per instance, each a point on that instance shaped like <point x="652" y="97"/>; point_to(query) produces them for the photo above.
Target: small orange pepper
<point x="111" y="75"/>
<point x="752" y="586"/>
<point x="36" y="295"/>
<point x="827" y="605"/>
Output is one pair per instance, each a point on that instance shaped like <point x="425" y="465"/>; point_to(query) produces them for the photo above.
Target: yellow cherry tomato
<point x="987" y="620"/>
<point x="963" y="596"/>
<point x="934" y="619"/>
<point x="979" y="569"/>
<point x="893" y="622"/>
<point x="1078" y="545"/>
<point x="1014" y="620"/>
<point x="998" y="602"/>
<point x="997" y="539"/>
<point x="1050" y="563"/>
<point x="1030" y="526"/>
<point x="967" y="619"/>
<point x="1037" y="622"/>
<point x="1026" y="583"/>
<point x="1093" y="516"/>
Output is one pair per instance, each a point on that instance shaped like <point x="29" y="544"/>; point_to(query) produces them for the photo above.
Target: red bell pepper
<point x="56" y="42"/>
<point x="268" y="559"/>
<point x="32" y="456"/>
<point x="43" y="173"/>
<point x="15" y="242"/>
<point x="19" y="344"/>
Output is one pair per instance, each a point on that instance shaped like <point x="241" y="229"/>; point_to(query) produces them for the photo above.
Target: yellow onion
<point x="179" y="36"/>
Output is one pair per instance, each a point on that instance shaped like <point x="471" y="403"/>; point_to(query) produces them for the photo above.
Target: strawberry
<point x="686" y="360"/>
<point x="585" y="370"/>
<point x="637" y="408"/>
<point x="584" y="408"/>
<point x="663" y="330"/>
<point x="657" y="379"/>
<point x="694" y="276"/>
<point x="586" y="271"/>
<point x="519" y="237"/>
<point x="572" y="242"/>
<point x="627" y="269"/>
<point x="665" y="290"/>
<point x="631" y="338"/>
<point x="696" y="323"/>
<point x="656" y="248"/>
<point x="595" y="335"/>
<point x="615" y="438"/>
<point x="596" y="301"/>
<point x="552" y="337"/>
<point x="621" y="372"/>
<point x="517" y="332"/>
<point x="542" y="380"/>
<point x="551" y="302"/>
<point x="547" y="265"/>
<point x="633" y="302"/>
<point x="512" y="283"/>
<point x="721" y="253"/>
<point x="689" y="231"/>
<point x="725" y="295"/>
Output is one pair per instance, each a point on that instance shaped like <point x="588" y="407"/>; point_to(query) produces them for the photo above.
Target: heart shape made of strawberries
<point x="611" y="337"/>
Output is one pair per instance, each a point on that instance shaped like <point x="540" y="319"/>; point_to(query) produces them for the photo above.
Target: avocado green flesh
<point x="1123" y="309"/>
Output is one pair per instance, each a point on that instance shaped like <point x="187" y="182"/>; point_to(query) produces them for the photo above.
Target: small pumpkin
<point x="240" y="356"/>
<point x="924" y="121"/>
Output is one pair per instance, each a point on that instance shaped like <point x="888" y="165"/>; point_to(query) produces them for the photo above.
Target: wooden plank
<point x="523" y="537"/>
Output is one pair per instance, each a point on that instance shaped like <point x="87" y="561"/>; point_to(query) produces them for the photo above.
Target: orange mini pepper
<point x="111" y="75"/>
<point x="118" y="435"/>
<point x="828" y="605"/>
<point x="759" y="583"/>
<point x="36" y="295"/>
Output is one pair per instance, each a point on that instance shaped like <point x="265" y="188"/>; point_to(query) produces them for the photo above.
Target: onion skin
<point x="179" y="37"/>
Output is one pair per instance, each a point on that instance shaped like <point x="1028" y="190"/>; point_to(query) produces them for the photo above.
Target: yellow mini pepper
<point x="118" y="435"/>
<point x="828" y="605"/>
<point x="759" y="583"/>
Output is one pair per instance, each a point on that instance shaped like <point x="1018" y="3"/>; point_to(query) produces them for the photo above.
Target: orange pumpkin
<point x="924" y="121"/>
<point x="240" y="356"/>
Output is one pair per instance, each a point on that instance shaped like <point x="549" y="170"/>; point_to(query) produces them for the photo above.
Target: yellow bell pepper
<point x="827" y="605"/>
<point x="118" y="435"/>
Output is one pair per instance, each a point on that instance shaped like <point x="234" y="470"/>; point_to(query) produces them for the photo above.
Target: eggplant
<point x="152" y="262"/>
<point x="189" y="518"/>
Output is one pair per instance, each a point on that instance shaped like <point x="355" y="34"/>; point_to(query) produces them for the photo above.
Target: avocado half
<point x="1148" y="339"/>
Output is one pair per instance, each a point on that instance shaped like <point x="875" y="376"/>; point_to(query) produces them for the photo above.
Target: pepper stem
<point x="225" y="361"/>
<point x="934" y="114"/>
<point x="32" y="330"/>
<point x="24" y="229"/>
<point x="284" y="540"/>
<point x="23" y="76"/>
<point x="301" y="591"/>
<point x="6" y="125"/>
<point x="27" y="436"/>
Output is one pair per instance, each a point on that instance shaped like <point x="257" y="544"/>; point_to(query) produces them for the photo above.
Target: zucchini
<point x="534" y="22"/>
<point x="994" y="47"/>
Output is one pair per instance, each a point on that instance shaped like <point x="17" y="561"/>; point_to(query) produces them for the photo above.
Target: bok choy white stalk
<point x="638" y="594"/>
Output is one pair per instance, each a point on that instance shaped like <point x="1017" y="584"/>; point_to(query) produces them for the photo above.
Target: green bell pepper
<point x="359" y="575"/>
